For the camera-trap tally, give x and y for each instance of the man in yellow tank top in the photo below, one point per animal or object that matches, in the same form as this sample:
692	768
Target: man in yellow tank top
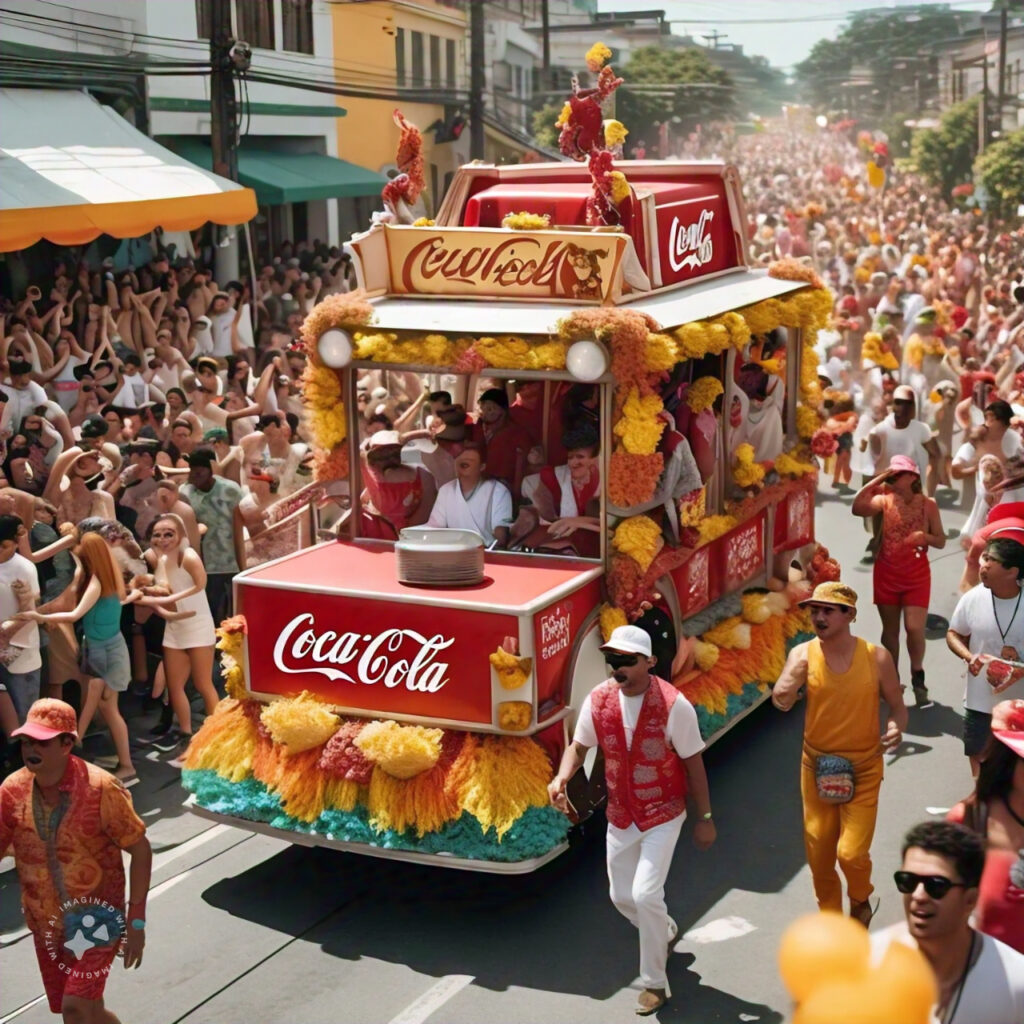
843	678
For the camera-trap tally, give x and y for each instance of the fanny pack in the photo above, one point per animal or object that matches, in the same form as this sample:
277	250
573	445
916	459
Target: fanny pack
833	776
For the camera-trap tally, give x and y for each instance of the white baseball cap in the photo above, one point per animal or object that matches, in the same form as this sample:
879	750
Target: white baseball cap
629	640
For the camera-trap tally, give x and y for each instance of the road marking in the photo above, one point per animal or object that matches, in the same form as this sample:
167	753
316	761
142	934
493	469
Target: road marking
936	810
437	995
6	864
159	890
161	860
21	1009
721	930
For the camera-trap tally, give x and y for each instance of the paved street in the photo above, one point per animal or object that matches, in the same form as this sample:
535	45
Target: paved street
243	927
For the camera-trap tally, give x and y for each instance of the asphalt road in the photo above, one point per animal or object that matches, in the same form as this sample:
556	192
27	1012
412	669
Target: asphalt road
246	928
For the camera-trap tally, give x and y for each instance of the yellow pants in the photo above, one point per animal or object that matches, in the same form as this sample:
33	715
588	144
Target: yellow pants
841	832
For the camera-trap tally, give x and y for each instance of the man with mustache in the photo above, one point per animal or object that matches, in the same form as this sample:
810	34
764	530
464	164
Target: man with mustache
59	813
648	733
843	678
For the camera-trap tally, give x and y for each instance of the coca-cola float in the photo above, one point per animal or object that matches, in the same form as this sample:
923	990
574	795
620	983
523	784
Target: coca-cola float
374	704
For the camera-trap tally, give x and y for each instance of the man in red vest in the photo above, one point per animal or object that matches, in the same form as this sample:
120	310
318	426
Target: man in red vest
648	733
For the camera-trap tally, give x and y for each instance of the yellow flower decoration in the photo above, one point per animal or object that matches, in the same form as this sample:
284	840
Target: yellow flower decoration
638	538
732	633
526	221
660	353
745	470
563	117
639	427
756	608
611	619
701	394
400	750
512	670
615	133
872	350
713	527
787	464
423	222
691	512
705	655
299	723
596	57
619	187
807	422
514	715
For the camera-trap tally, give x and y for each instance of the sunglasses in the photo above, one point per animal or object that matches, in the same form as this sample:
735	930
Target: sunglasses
622	660
935	885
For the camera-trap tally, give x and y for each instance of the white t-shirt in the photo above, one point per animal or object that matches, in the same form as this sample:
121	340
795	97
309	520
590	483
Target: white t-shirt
19	568
23	401
908	441
487	507
974	617
682	730
993	989
220	331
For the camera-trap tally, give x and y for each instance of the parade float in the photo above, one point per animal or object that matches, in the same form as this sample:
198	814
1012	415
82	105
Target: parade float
377	711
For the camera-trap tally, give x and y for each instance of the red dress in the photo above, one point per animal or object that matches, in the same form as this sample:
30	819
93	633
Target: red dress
903	576
396	501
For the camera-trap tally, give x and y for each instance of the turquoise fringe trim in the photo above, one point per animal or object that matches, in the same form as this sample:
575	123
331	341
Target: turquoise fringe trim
536	832
712	722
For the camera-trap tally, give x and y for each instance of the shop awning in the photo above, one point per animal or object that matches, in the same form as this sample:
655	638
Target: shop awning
279	177
71	170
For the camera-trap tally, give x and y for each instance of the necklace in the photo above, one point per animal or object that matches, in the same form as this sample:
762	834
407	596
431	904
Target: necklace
995	615
950	1013
1013	814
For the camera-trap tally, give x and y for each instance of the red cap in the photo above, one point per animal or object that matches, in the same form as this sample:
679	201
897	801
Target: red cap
48	718
1008	724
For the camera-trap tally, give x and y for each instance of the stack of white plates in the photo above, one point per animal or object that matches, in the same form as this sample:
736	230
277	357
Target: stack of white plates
440	558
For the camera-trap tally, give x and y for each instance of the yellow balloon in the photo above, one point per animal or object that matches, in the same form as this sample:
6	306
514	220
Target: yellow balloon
821	948
876	175
909	978
848	1002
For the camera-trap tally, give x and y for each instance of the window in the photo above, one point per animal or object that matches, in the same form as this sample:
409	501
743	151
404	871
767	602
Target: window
417	58
435	62
449	64
400	56
297	25
255	19
204	19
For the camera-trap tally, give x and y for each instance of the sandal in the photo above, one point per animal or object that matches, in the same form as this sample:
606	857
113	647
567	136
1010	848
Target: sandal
127	780
862	911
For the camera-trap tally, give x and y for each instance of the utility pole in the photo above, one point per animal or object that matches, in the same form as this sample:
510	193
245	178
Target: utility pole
476	81
983	109
1001	85
223	106
545	38
714	37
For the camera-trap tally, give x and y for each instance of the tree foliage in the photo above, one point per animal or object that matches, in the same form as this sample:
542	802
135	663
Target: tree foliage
945	155
877	41
1000	169
542	125
682	86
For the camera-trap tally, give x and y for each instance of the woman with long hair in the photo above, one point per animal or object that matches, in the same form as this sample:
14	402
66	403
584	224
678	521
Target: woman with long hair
100	592
995	810
903	579
188	641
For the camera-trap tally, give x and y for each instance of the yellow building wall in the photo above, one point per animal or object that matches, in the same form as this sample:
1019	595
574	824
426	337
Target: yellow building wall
364	55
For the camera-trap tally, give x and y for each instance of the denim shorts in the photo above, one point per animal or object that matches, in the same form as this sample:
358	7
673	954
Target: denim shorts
108	660
977	731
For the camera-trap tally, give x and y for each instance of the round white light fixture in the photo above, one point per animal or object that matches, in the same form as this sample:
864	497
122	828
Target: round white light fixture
821	121
586	360
335	348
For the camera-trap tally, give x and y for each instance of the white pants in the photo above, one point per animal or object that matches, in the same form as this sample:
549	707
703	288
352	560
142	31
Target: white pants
638	864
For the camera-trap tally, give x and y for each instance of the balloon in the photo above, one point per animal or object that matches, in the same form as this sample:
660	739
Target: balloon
908	977
586	360
876	176
849	1002
335	348
822	948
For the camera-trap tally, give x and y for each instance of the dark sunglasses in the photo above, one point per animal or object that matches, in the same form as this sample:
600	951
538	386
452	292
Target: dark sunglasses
935	885
622	660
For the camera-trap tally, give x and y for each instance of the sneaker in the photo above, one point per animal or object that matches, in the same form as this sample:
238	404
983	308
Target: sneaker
161	729
169	741
920	690
179	750
107	762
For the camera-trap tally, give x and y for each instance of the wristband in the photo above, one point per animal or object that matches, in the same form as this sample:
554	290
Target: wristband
138	924
706	816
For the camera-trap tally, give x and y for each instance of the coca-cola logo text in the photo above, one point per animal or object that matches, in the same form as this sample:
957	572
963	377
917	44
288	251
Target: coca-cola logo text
554	632
518	262
691	246
395	657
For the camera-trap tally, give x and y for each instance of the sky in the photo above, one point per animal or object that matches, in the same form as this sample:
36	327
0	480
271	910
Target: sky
784	31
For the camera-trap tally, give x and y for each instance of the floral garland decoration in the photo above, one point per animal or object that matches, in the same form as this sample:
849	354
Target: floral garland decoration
746	471
230	638
874	350
638	538
526	221
702	394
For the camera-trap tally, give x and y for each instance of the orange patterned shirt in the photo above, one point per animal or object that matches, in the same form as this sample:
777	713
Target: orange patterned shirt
100	822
